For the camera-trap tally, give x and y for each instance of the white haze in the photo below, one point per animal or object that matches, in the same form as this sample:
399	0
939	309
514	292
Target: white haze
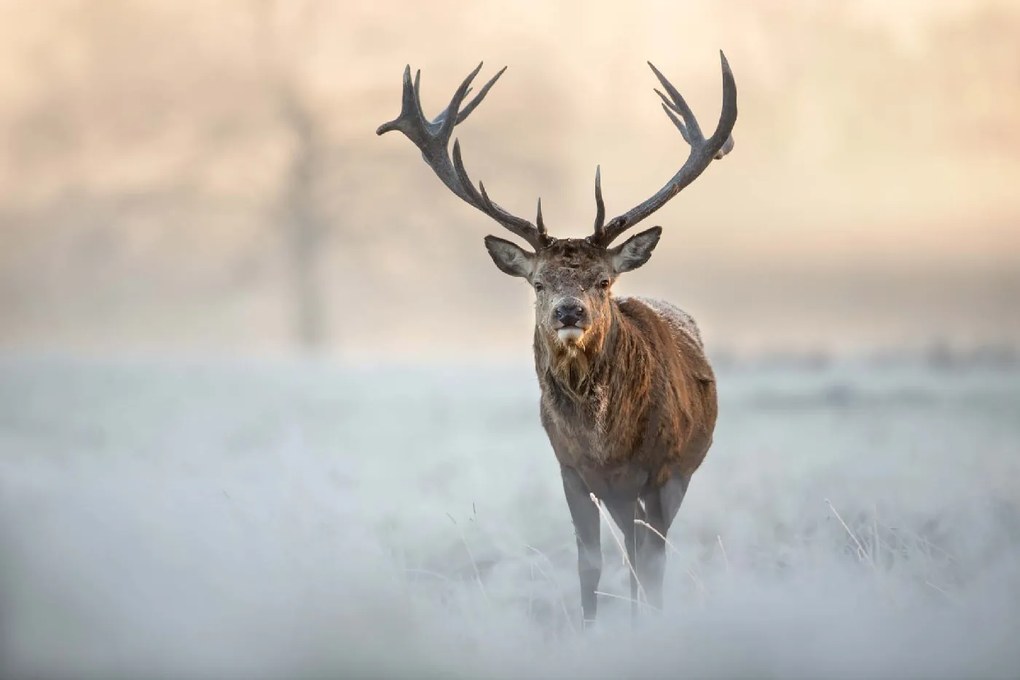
201	519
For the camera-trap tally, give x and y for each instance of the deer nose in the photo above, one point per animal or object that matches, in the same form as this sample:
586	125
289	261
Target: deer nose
569	313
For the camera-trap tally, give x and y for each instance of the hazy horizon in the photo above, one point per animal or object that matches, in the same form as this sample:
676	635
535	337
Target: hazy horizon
153	158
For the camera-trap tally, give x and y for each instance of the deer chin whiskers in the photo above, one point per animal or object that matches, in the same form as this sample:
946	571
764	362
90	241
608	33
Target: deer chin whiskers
572	371
571	363
571	336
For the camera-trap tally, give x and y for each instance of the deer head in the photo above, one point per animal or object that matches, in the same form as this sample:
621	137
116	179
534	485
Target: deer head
572	278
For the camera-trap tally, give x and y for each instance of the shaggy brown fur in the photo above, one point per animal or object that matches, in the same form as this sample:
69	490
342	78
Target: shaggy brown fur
638	394
628	398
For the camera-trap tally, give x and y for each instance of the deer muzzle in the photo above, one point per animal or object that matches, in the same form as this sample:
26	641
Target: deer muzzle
570	320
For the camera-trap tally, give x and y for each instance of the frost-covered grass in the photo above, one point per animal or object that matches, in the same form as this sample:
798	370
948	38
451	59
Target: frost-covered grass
241	519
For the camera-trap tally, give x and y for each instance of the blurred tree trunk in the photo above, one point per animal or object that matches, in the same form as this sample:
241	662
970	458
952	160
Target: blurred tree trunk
304	228
297	209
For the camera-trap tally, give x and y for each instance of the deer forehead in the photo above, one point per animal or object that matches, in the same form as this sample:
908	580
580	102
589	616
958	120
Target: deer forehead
572	261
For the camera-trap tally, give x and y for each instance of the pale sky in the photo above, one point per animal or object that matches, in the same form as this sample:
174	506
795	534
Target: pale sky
870	200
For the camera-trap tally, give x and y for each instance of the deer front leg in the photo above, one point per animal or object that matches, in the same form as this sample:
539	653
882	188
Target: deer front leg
651	548
624	512
661	506
585	516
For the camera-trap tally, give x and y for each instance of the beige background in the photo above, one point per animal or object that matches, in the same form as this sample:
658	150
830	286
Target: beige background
158	158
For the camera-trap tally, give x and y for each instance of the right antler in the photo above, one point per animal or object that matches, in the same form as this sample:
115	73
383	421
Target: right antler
702	152
433	138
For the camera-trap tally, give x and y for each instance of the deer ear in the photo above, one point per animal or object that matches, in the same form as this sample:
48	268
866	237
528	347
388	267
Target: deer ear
635	251
510	257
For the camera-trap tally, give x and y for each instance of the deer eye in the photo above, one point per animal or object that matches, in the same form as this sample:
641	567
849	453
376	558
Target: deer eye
539	286
604	284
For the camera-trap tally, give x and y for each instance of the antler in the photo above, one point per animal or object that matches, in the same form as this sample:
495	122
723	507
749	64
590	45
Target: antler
433	138
702	152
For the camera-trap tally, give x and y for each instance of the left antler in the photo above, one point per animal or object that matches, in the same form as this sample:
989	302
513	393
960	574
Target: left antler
702	152
433	138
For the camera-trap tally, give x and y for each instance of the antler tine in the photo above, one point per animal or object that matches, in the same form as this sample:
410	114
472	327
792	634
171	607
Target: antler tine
410	121
600	206
701	155
538	219
417	95
448	118
679	105
479	97
433	138
676	121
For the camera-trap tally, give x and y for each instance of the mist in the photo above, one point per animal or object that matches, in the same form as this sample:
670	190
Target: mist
290	519
268	410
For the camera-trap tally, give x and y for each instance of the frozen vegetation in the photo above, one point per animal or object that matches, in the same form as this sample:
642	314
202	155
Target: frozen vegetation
239	519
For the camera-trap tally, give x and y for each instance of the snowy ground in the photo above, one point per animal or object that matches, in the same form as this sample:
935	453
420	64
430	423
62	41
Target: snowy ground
248	520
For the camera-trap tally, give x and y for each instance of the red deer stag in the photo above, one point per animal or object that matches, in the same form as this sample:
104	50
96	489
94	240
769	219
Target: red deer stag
628	396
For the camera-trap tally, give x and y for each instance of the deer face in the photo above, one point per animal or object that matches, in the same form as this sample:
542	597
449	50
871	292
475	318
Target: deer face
572	280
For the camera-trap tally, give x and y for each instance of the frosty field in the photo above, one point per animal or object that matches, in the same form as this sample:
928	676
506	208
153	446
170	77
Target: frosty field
242	519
